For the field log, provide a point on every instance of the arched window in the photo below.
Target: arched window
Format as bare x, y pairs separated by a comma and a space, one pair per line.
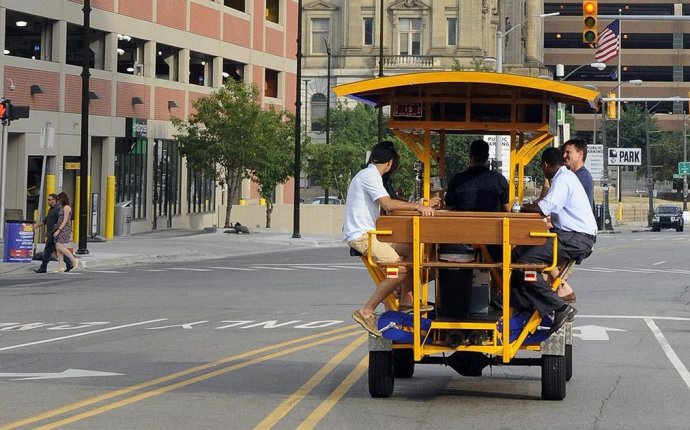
318, 112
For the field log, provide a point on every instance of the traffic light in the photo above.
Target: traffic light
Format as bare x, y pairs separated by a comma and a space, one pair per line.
589, 21
5, 111
611, 112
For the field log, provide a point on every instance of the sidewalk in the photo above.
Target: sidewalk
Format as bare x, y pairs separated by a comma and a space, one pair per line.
168, 246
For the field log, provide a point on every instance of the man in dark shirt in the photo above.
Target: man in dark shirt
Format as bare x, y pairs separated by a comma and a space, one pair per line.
478, 188
49, 222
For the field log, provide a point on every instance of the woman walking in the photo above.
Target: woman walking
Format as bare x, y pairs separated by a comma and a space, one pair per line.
63, 234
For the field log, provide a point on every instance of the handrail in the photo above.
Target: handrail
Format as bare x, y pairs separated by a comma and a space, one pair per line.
555, 247
370, 235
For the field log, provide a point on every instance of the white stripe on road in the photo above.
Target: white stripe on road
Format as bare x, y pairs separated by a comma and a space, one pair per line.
314, 268
349, 267
658, 263
189, 269
7, 348
670, 353
272, 268
232, 268
152, 270
634, 317
104, 271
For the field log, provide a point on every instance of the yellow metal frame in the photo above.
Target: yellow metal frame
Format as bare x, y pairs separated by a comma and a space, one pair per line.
527, 139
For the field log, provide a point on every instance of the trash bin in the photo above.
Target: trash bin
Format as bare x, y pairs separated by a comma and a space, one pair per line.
19, 242
599, 216
123, 218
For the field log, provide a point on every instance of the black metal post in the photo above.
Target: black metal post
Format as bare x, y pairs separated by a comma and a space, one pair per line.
381, 68
298, 126
84, 150
608, 225
650, 178
328, 106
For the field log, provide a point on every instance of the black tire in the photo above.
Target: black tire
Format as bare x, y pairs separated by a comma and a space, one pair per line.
553, 370
568, 362
403, 363
381, 373
656, 228
679, 229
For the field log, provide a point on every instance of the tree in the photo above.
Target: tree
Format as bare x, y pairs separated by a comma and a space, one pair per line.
221, 137
273, 163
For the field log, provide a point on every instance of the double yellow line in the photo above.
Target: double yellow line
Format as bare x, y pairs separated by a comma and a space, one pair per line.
164, 384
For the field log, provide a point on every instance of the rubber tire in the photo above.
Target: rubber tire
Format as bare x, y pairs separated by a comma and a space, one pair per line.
403, 363
568, 362
656, 228
381, 380
553, 370
679, 229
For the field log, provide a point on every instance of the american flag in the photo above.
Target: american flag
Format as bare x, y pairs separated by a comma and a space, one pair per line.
607, 43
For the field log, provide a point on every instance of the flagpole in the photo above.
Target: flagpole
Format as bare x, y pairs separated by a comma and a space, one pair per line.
619, 188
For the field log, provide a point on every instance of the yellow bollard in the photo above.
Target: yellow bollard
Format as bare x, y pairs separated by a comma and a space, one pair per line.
109, 207
50, 189
75, 210
619, 212
262, 202
243, 202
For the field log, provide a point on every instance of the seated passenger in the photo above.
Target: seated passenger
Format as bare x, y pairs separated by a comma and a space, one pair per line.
572, 218
478, 188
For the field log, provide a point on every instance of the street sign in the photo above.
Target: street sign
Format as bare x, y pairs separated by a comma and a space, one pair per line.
677, 176
625, 156
684, 167
595, 161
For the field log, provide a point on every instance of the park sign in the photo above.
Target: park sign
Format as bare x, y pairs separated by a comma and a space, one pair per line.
625, 156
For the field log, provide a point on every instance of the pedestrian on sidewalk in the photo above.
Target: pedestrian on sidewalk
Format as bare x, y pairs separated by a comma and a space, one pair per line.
63, 234
49, 222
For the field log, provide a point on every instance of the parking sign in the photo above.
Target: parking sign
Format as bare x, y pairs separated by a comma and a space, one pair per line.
625, 156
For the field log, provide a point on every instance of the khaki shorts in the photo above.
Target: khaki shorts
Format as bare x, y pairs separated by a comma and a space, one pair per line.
381, 252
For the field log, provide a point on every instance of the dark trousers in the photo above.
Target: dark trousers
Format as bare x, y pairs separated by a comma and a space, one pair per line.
539, 295
48, 252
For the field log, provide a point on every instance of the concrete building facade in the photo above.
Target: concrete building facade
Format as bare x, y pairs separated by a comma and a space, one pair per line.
152, 59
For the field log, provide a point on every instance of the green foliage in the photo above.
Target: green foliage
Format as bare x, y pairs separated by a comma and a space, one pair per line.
230, 135
477, 65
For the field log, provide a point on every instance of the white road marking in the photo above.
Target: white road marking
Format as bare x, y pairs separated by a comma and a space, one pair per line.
658, 263
105, 271
69, 373
273, 268
349, 267
670, 353
634, 317
594, 332
7, 348
233, 268
189, 269
152, 270
314, 268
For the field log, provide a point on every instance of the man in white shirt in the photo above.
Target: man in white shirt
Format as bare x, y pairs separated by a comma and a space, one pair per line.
366, 197
572, 218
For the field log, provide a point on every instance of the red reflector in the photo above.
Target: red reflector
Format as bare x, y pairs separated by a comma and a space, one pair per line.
392, 272
530, 276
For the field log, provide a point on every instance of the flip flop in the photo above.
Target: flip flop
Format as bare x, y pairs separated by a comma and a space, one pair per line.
367, 323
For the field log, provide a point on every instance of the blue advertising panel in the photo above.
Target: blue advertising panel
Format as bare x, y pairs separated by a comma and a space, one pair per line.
19, 242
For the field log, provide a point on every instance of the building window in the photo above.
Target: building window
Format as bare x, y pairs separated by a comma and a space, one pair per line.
200, 69
28, 36
271, 83
319, 33
273, 11
130, 55
318, 112
410, 35
167, 60
75, 47
369, 31
167, 174
452, 31
235, 4
201, 192
233, 70
130, 173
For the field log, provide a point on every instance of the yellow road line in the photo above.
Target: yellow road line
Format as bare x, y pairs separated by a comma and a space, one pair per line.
328, 404
286, 406
194, 380
128, 390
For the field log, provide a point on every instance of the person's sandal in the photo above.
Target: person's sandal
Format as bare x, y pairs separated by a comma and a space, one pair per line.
368, 323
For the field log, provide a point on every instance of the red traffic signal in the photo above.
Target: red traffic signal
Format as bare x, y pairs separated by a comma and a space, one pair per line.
589, 21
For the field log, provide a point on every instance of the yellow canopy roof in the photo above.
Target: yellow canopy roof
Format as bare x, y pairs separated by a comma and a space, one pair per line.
380, 91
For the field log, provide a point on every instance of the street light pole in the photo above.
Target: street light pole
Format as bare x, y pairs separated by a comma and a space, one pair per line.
328, 105
298, 128
380, 67
650, 180
84, 150
685, 159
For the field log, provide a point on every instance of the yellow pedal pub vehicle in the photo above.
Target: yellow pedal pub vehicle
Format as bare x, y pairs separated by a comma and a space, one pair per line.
463, 331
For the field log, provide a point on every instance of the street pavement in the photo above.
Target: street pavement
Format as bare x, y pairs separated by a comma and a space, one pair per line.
169, 246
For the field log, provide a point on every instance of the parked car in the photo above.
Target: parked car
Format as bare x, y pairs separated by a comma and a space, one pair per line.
322, 201
667, 216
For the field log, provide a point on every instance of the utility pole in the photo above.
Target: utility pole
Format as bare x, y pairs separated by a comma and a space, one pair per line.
685, 159
381, 67
650, 180
328, 105
298, 128
84, 150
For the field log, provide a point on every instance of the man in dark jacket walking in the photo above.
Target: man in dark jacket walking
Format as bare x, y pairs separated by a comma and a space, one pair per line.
49, 222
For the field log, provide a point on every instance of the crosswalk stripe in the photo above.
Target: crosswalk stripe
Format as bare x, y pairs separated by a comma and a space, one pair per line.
314, 268
273, 268
232, 268
190, 269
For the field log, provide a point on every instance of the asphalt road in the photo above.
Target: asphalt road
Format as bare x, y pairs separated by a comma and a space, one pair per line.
266, 341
